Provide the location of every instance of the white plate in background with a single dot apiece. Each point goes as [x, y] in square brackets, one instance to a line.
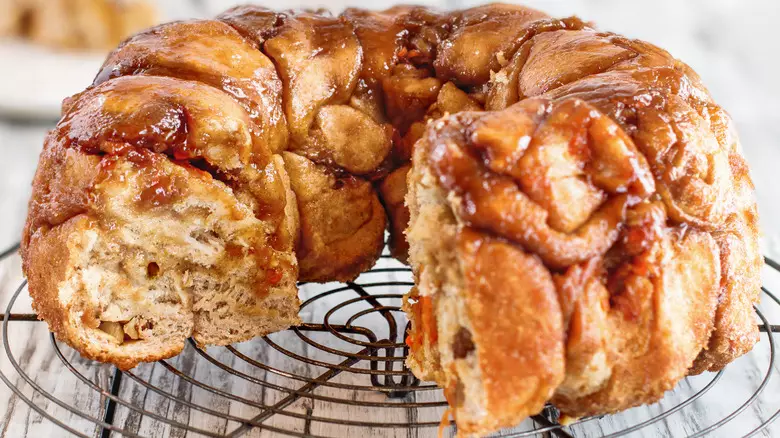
[35, 79]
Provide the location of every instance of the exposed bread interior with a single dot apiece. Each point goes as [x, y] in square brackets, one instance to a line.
[172, 254]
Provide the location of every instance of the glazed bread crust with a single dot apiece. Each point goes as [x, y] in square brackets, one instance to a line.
[625, 184]
[213, 163]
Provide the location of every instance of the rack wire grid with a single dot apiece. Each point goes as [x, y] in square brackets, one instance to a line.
[341, 373]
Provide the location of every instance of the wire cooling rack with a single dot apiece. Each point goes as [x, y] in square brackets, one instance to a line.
[341, 373]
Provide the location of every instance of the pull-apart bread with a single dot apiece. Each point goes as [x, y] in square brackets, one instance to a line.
[579, 216]
[589, 245]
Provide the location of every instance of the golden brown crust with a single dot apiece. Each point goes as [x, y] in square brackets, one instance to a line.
[494, 29]
[52, 246]
[342, 222]
[517, 330]
[211, 52]
[657, 322]
[60, 189]
[735, 331]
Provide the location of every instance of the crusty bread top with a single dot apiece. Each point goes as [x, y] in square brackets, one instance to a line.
[349, 93]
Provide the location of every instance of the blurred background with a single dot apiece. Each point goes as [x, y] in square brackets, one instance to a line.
[51, 49]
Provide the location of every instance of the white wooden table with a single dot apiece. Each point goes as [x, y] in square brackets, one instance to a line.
[733, 45]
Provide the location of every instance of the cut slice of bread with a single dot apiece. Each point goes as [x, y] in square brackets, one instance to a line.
[161, 252]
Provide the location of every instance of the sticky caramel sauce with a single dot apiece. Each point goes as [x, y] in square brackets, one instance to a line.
[162, 190]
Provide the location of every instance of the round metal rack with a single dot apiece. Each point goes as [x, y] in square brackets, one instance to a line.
[341, 373]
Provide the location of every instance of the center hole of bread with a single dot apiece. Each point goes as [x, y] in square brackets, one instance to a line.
[152, 269]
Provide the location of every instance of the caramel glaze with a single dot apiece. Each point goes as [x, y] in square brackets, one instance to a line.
[171, 117]
[614, 153]
[350, 93]
[513, 195]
